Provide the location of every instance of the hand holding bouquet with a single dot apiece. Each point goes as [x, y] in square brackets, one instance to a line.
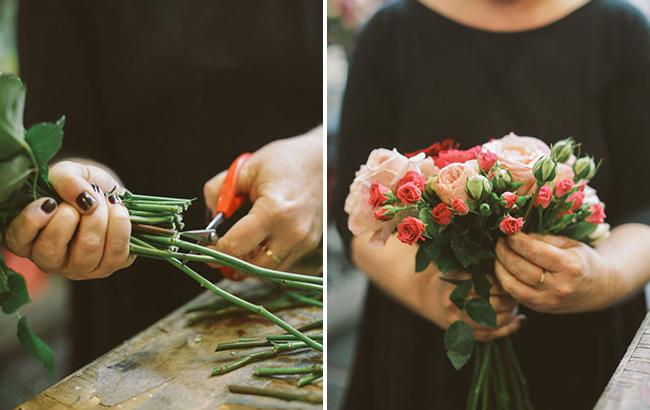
[455, 205]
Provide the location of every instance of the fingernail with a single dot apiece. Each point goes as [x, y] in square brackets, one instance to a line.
[85, 201]
[48, 205]
[523, 320]
[96, 188]
[114, 199]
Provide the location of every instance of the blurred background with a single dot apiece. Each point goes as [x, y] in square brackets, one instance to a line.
[346, 285]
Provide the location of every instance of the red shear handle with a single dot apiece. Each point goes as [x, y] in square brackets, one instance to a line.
[229, 202]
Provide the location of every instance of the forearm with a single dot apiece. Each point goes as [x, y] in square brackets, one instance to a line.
[627, 250]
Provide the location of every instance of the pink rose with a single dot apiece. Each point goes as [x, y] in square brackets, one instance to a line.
[386, 168]
[378, 194]
[410, 230]
[450, 181]
[441, 214]
[460, 207]
[486, 160]
[409, 193]
[415, 177]
[563, 186]
[597, 215]
[510, 199]
[575, 199]
[510, 225]
[544, 197]
[382, 214]
[518, 155]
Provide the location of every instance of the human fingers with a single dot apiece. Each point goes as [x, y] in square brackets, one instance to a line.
[25, 227]
[541, 253]
[71, 182]
[118, 233]
[508, 328]
[50, 249]
[522, 268]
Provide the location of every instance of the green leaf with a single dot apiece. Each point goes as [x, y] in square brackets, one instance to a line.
[4, 278]
[34, 345]
[45, 140]
[466, 252]
[422, 260]
[482, 285]
[12, 103]
[579, 231]
[17, 295]
[441, 253]
[459, 343]
[432, 228]
[480, 311]
[453, 281]
[13, 174]
[459, 294]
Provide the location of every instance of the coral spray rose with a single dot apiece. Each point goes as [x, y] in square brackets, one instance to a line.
[415, 177]
[563, 186]
[575, 199]
[510, 225]
[597, 215]
[544, 197]
[442, 214]
[410, 230]
[409, 193]
[510, 199]
[378, 194]
[486, 160]
[460, 207]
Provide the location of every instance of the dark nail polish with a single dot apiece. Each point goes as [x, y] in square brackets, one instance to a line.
[85, 201]
[48, 205]
[96, 188]
[114, 199]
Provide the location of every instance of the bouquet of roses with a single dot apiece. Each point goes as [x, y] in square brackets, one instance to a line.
[156, 233]
[454, 205]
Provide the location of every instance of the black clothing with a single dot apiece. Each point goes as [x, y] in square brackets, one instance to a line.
[417, 77]
[167, 94]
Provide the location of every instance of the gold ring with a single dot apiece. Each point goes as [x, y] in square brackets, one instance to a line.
[541, 278]
[271, 255]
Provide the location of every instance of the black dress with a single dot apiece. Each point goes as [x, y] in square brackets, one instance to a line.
[417, 77]
[167, 94]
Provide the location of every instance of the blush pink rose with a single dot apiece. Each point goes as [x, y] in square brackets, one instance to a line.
[518, 155]
[383, 167]
[510, 199]
[450, 182]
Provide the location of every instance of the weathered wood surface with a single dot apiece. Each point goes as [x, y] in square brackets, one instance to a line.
[629, 387]
[167, 366]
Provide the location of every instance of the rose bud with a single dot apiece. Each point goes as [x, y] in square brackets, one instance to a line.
[415, 177]
[378, 194]
[584, 168]
[484, 209]
[502, 179]
[563, 186]
[384, 214]
[510, 225]
[562, 150]
[410, 230]
[486, 160]
[544, 169]
[544, 197]
[460, 207]
[597, 215]
[478, 186]
[409, 193]
[575, 199]
[441, 214]
[509, 199]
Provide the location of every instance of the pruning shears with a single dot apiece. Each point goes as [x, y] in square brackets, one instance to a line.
[227, 204]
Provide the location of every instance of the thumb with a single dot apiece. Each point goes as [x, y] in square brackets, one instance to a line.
[70, 180]
[243, 184]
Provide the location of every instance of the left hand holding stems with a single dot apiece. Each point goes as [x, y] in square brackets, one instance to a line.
[553, 274]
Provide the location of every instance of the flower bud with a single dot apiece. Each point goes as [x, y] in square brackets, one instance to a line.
[544, 169]
[484, 209]
[502, 179]
[562, 150]
[584, 168]
[478, 187]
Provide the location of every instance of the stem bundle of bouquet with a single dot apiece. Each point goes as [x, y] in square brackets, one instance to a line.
[157, 222]
[454, 205]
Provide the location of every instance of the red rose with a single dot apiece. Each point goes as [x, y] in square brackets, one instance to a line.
[575, 199]
[383, 215]
[544, 197]
[563, 186]
[486, 160]
[460, 207]
[509, 198]
[377, 195]
[442, 214]
[409, 193]
[434, 149]
[445, 158]
[597, 215]
[510, 225]
[410, 230]
[415, 177]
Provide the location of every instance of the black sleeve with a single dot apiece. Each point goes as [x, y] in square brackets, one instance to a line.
[369, 114]
[627, 124]
[56, 42]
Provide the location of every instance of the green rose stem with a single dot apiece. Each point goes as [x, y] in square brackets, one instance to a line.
[257, 356]
[477, 387]
[310, 378]
[305, 397]
[273, 306]
[304, 299]
[519, 373]
[248, 343]
[284, 371]
[532, 201]
[502, 390]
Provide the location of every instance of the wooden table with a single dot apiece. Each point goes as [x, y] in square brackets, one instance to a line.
[167, 366]
[629, 387]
